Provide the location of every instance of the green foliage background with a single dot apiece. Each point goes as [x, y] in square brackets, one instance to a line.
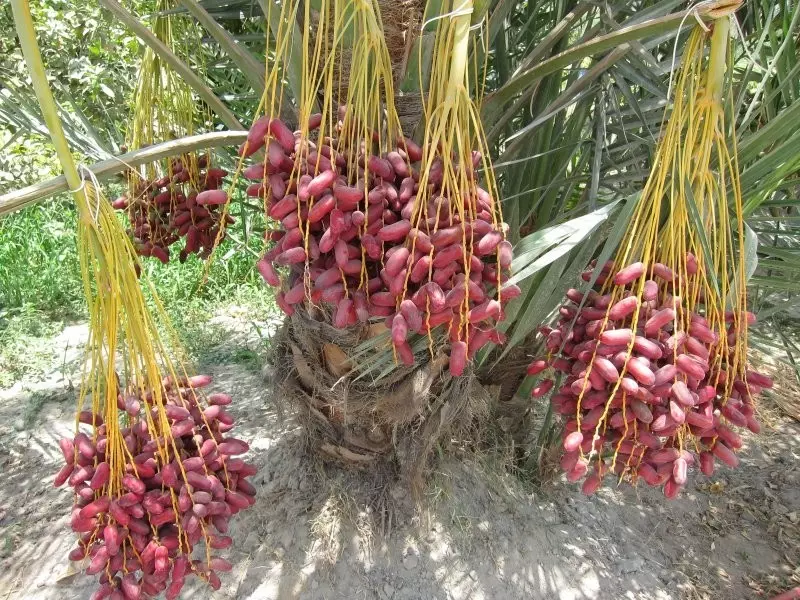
[92, 64]
[92, 61]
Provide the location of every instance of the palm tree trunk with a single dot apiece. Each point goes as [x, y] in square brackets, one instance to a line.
[393, 423]
[396, 422]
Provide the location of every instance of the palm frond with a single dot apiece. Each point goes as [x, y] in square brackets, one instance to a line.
[189, 76]
[241, 56]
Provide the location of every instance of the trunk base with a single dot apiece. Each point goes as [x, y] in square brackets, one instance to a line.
[394, 423]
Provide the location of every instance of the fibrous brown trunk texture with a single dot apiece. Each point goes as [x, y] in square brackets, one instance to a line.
[393, 423]
[401, 20]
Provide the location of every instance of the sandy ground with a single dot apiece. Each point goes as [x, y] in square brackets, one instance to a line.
[317, 532]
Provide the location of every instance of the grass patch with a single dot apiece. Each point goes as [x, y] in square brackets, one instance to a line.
[26, 350]
[36, 402]
[225, 331]
[39, 267]
[41, 289]
[7, 545]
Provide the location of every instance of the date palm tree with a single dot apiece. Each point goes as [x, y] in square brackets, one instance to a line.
[575, 94]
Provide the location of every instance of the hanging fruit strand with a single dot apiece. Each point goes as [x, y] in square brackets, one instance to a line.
[655, 357]
[154, 473]
[143, 427]
[181, 197]
[372, 225]
[462, 219]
